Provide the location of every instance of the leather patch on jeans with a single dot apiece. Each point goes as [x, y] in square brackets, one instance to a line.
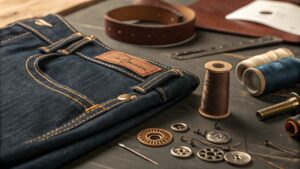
[135, 64]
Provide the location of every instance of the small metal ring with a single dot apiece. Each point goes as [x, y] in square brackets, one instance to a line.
[179, 127]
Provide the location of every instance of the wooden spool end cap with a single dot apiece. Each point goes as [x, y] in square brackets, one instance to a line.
[217, 66]
[213, 116]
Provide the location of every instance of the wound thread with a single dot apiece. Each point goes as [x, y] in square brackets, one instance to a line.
[215, 95]
[265, 58]
[274, 76]
[292, 126]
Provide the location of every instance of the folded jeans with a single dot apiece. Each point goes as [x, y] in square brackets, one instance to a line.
[58, 100]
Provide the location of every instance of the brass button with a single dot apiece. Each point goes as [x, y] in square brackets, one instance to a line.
[155, 137]
[124, 97]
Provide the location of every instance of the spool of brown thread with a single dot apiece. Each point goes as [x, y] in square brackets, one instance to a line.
[215, 95]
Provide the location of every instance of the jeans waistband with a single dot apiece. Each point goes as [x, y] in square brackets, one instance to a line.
[50, 28]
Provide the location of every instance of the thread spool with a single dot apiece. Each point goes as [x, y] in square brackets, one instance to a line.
[292, 126]
[265, 58]
[271, 77]
[215, 95]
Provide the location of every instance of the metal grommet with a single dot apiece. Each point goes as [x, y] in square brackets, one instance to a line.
[211, 154]
[218, 137]
[237, 158]
[179, 127]
[155, 137]
[181, 152]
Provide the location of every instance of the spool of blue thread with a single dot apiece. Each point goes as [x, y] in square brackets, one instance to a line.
[271, 77]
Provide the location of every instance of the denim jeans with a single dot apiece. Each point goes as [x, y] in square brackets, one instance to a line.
[58, 101]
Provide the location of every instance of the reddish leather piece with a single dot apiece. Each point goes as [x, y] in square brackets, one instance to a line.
[178, 23]
[211, 15]
[135, 64]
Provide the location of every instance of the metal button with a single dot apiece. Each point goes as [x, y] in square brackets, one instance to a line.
[179, 127]
[155, 137]
[218, 137]
[211, 154]
[237, 158]
[126, 97]
[181, 152]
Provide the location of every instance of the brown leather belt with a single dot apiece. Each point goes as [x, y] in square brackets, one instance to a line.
[178, 23]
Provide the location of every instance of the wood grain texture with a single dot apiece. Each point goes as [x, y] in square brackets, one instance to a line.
[19, 9]
[242, 106]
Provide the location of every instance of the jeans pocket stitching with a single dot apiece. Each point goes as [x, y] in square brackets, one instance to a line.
[77, 121]
[51, 88]
[49, 79]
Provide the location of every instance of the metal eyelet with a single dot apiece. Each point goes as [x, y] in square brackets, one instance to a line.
[179, 127]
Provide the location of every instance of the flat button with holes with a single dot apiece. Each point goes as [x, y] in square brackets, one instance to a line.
[218, 137]
[237, 158]
[181, 152]
[179, 127]
[211, 154]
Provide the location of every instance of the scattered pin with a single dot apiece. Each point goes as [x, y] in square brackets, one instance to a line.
[137, 153]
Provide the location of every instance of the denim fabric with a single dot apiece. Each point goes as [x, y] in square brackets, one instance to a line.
[59, 102]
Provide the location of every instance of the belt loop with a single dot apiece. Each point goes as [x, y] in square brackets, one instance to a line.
[58, 44]
[70, 49]
[157, 80]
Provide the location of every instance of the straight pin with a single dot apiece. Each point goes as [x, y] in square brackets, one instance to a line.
[137, 153]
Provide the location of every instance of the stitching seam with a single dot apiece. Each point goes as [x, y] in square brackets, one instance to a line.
[50, 87]
[157, 78]
[166, 67]
[110, 66]
[16, 37]
[35, 31]
[72, 48]
[55, 44]
[66, 23]
[77, 121]
[163, 93]
[57, 84]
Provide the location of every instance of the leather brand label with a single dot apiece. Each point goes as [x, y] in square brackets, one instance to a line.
[135, 64]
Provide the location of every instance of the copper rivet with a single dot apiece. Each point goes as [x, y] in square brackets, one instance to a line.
[119, 32]
[148, 36]
[132, 34]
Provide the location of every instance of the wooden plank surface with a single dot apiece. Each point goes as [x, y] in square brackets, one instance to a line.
[243, 106]
[19, 9]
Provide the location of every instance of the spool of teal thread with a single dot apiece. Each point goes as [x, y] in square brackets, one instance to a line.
[271, 77]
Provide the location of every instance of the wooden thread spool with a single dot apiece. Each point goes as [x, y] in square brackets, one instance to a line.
[268, 57]
[215, 95]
